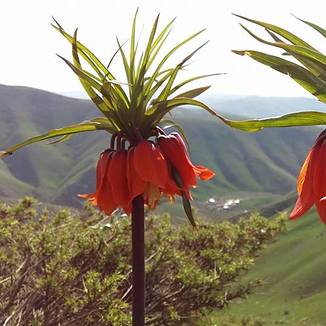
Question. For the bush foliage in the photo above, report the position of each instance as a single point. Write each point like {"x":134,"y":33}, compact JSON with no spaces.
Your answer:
{"x":73,"y":268}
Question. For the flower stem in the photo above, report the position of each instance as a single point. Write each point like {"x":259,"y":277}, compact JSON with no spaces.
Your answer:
{"x":138,"y":262}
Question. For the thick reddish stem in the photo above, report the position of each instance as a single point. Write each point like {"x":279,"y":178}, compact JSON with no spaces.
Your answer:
{"x":138,"y":262}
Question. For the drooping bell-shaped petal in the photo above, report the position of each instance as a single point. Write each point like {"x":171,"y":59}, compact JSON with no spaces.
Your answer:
{"x":101,"y":168}
{"x":177,"y":155}
{"x":105,"y":201}
{"x":305,"y":189}
{"x":174,"y":149}
{"x":203,"y":172}
{"x":103,"y":196}
{"x":117,"y":178}
{"x":312,"y":181}
{"x":320,"y":180}
{"x":136,"y":185}
{"x":150,"y":164}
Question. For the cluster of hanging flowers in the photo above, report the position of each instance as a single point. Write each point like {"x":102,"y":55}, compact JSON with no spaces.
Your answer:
{"x":149,"y":169}
{"x":312,"y":181}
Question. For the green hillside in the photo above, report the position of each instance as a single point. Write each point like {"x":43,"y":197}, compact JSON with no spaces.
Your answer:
{"x":244,"y":163}
{"x":293,"y":275}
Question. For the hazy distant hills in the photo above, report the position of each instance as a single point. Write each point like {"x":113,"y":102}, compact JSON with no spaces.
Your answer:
{"x":263,"y":162}
{"x":260,"y":107}
{"x":250,"y":106}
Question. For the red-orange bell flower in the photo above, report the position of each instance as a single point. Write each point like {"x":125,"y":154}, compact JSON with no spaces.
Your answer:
{"x":102,"y":197}
{"x":117,"y":178}
{"x":312,"y":181}
{"x":150,"y":172}
{"x":175,"y":151}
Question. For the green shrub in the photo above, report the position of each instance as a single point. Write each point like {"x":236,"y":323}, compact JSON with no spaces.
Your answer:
{"x":73,"y":268}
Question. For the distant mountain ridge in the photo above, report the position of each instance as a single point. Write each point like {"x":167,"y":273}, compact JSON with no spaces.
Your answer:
{"x":262,"y":107}
{"x":249,"y":105}
{"x":263,"y":162}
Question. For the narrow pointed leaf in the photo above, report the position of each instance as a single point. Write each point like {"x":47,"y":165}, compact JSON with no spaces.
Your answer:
{"x":132,"y":53}
{"x":187,"y":81}
{"x":302,"y":76}
{"x":319,"y":29}
{"x":185,"y":201}
{"x":92,"y":125}
{"x":125,"y":61}
{"x":115,"y":54}
{"x":157,"y":47}
{"x":194,"y":92}
{"x":167,"y":56}
{"x":159,"y":110}
{"x":278,"y":30}
{"x":310,"y":58}
{"x":150,"y":44}
{"x":188,"y":210}
{"x":61,"y":139}
{"x":306,"y":118}
{"x":156,"y":87}
{"x":83,"y":75}
{"x":158,"y":42}
{"x":92,"y":60}
{"x":98,"y":101}
{"x":167,"y":89}
{"x":85,"y":50}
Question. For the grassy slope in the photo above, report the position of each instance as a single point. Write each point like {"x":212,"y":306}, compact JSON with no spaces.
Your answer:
{"x":293,"y":273}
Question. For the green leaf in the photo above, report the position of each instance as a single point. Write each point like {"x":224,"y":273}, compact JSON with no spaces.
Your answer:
{"x":187,"y":81}
{"x":125,"y":63}
{"x":61,"y":139}
{"x":306,"y":118}
{"x":310,"y":58}
{"x":156,"y":113}
{"x":166,"y":57}
{"x":159,"y":42}
{"x":92,"y":125}
{"x":93,"y":61}
{"x":319,"y":29}
{"x":301,"y":75}
{"x":188,"y":209}
{"x":148,"y":96}
{"x":144,"y":63}
{"x":111,"y":106}
{"x":280,"y":31}
{"x":85,"y":52}
{"x":194,"y":92}
{"x":97,"y":100}
{"x":132,"y":49}
{"x":185,"y":201}
{"x":167,"y":89}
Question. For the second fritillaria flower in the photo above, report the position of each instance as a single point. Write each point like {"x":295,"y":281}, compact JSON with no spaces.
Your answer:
{"x":149,"y":169}
{"x":312,"y":181}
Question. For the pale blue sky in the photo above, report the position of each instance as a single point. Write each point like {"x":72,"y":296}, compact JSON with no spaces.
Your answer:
{"x":29,"y":44}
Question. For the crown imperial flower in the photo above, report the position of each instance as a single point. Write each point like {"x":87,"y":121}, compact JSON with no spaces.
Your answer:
{"x":312,"y":181}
